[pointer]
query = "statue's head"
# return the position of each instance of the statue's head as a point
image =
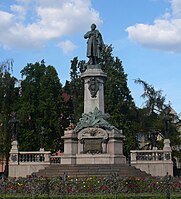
(93, 26)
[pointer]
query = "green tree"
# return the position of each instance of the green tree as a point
(8, 97)
(40, 105)
(118, 100)
(75, 89)
(154, 100)
(151, 117)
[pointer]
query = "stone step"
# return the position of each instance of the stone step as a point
(90, 170)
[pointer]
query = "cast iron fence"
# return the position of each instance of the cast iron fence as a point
(91, 187)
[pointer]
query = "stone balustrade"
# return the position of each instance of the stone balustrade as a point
(23, 163)
(154, 162)
(55, 159)
(34, 157)
(150, 155)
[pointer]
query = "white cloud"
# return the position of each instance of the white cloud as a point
(6, 18)
(31, 24)
(163, 34)
(176, 8)
(67, 46)
(20, 11)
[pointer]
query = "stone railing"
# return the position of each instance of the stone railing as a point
(34, 157)
(23, 163)
(154, 162)
(55, 159)
(150, 155)
(27, 162)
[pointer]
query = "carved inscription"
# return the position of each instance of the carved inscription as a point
(92, 146)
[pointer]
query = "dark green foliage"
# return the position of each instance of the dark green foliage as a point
(75, 88)
(118, 100)
(8, 98)
(152, 116)
(40, 105)
(154, 99)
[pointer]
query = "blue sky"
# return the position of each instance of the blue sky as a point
(145, 34)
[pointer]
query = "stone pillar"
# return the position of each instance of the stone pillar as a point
(115, 144)
(93, 89)
(80, 146)
(13, 159)
(14, 153)
(133, 157)
(47, 156)
(166, 146)
(115, 147)
(70, 147)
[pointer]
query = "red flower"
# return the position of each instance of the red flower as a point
(103, 187)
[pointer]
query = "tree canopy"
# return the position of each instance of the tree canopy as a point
(40, 105)
(8, 99)
(152, 117)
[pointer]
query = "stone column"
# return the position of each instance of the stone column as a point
(14, 153)
(166, 146)
(13, 159)
(115, 147)
(93, 89)
(70, 147)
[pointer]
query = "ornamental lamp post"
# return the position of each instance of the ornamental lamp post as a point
(14, 126)
(167, 120)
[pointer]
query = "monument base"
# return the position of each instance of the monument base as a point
(100, 159)
(93, 146)
(68, 159)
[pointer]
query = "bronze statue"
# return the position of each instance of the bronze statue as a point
(94, 45)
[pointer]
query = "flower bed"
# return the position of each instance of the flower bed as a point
(39, 186)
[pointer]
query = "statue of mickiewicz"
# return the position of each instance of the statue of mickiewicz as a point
(94, 45)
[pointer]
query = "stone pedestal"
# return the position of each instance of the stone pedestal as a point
(70, 147)
(14, 153)
(42, 149)
(93, 146)
(94, 140)
(93, 89)
(166, 146)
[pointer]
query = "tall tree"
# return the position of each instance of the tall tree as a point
(118, 100)
(75, 89)
(8, 98)
(154, 100)
(152, 116)
(40, 105)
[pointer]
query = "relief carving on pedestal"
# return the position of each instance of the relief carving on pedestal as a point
(93, 140)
